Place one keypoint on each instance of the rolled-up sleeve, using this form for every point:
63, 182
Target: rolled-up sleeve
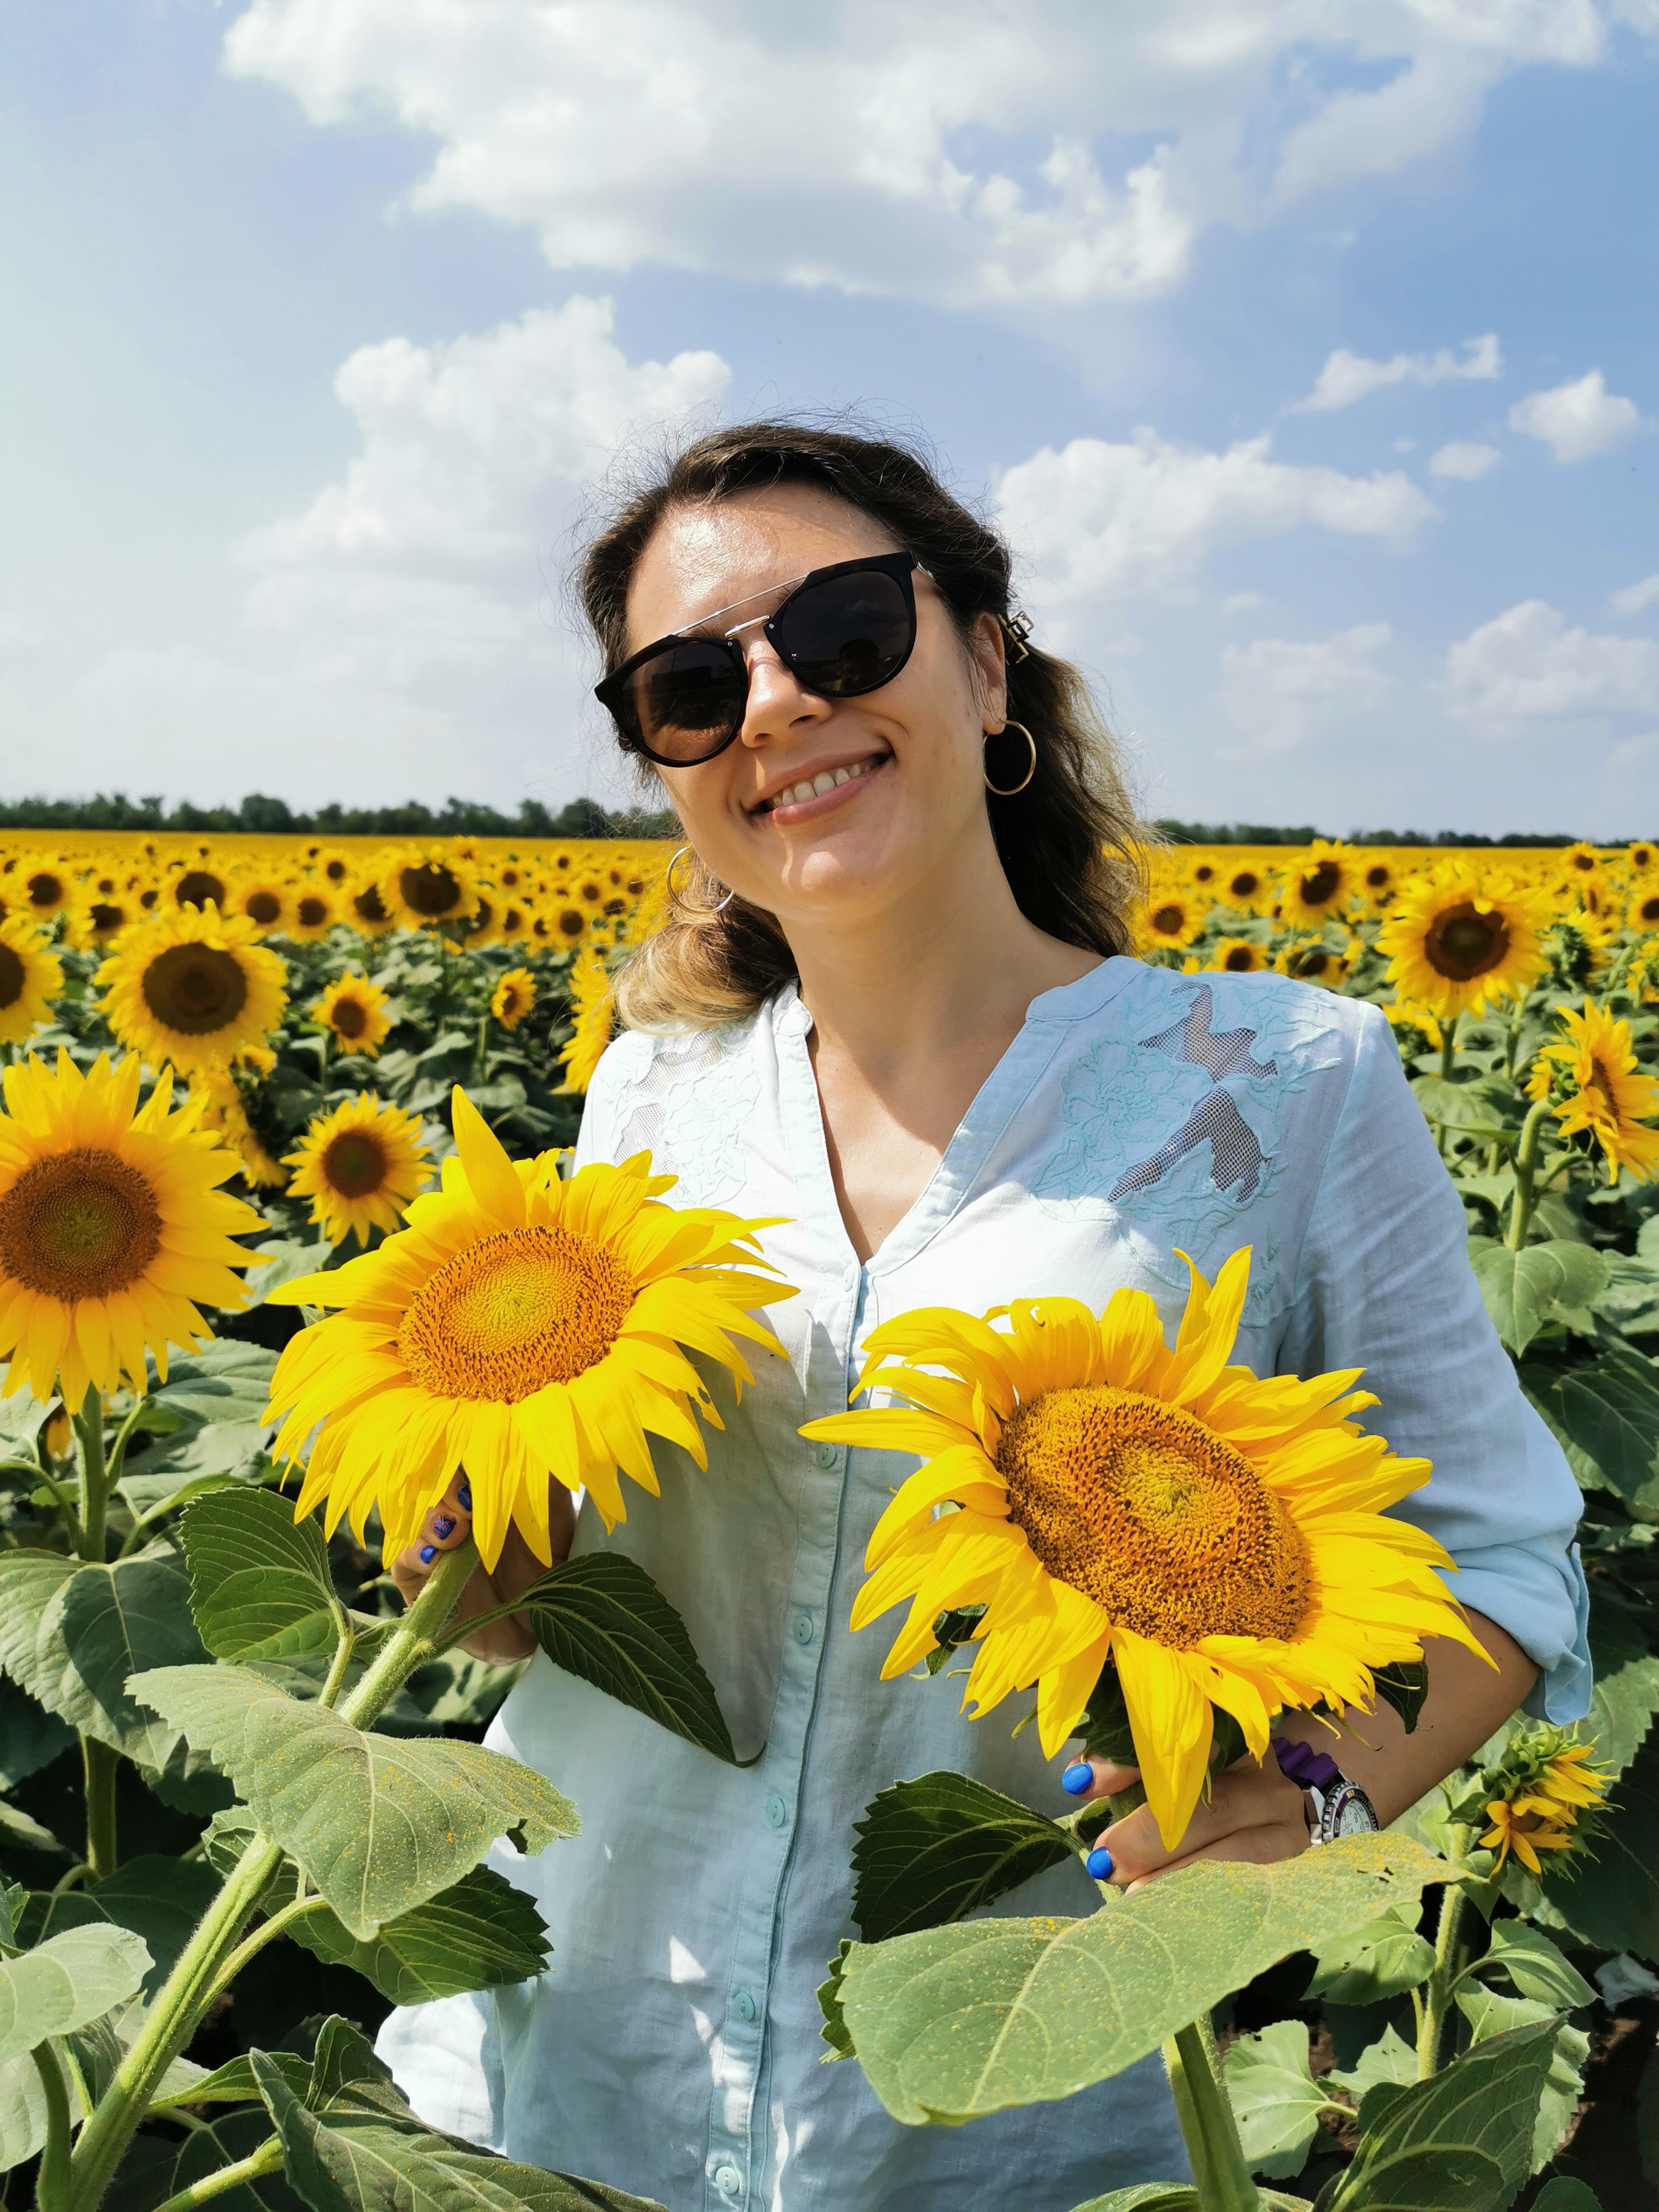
1384, 1283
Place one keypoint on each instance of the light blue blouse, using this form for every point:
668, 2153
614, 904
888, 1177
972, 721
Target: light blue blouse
672, 2047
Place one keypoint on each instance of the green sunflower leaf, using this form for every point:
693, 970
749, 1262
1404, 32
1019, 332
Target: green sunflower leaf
1461, 2142
72, 1634
1525, 1291
1369, 1965
378, 1824
481, 1933
260, 1587
1275, 2100
954, 2022
1536, 1966
601, 1616
160, 1899
351, 2144
1404, 1685
834, 2031
1611, 1411
933, 1850
65, 1982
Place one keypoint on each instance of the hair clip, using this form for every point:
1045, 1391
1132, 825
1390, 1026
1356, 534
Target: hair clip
1017, 628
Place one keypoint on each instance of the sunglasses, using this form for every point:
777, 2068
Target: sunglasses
841, 631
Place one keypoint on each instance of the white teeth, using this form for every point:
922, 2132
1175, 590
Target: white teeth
826, 779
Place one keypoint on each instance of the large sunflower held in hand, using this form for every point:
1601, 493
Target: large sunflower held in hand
521, 1327
1218, 1537
112, 1228
193, 988
1460, 939
360, 1166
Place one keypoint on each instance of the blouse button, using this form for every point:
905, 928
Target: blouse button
776, 1812
727, 2180
802, 1628
744, 2005
826, 1455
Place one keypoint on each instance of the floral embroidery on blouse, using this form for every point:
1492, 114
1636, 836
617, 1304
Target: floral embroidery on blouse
1176, 1132
691, 1096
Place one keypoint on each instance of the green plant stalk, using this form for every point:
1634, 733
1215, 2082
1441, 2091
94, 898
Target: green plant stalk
1220, 2177
99, 1764
51, 2185
97, 1760
1526, 1174
1436, 1997
94, 1477
190, 1987
268, 2159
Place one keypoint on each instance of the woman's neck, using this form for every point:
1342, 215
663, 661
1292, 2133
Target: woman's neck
943, 974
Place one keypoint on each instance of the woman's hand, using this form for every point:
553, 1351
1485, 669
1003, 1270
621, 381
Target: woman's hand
503, 1643
1252, 1813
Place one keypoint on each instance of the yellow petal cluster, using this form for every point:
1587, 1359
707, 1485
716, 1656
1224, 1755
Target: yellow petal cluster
113, 1228
1602, 1093
522, 1328
360, 1166
1220, 1537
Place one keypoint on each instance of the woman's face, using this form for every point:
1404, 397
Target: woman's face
910, 798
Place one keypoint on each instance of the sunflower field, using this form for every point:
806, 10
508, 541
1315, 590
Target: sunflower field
250, 1083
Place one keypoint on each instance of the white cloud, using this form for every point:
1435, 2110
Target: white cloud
1242, 602
1097, 521
399, 629
888, 148
1347, 376
1277, 690
1636, 596
1576, 421
1527, 666
1463, 459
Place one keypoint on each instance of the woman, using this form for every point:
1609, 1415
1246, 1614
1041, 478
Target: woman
895, 1006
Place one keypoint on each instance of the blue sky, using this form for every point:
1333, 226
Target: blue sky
323, 317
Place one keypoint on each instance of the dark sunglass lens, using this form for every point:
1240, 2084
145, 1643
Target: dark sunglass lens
687, 699
848, 634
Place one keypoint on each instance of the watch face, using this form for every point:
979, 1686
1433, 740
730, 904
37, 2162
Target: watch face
1349, 1811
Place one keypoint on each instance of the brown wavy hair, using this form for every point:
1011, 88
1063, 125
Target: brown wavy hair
1067, 842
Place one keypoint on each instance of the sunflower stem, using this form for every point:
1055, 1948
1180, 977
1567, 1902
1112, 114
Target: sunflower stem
94, 1476
168, 2026
1526, 1174
417, 1638
482, 1048
1436, 1998
52, 2183
1220, 2178
268, 2159
98, 1763
194, 1981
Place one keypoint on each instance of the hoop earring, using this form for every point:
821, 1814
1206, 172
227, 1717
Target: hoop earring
1014, 789
677, 897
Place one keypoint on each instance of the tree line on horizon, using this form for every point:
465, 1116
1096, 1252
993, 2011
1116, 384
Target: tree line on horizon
260, 815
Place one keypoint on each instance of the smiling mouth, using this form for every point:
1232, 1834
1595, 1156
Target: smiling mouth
827, 780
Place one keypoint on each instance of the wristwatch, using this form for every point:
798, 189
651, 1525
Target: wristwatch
1337, 1806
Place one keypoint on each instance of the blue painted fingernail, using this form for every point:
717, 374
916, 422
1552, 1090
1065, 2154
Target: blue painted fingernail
429, 1552
442, 1524
464, 1496
1099, 1863
1076, 1779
